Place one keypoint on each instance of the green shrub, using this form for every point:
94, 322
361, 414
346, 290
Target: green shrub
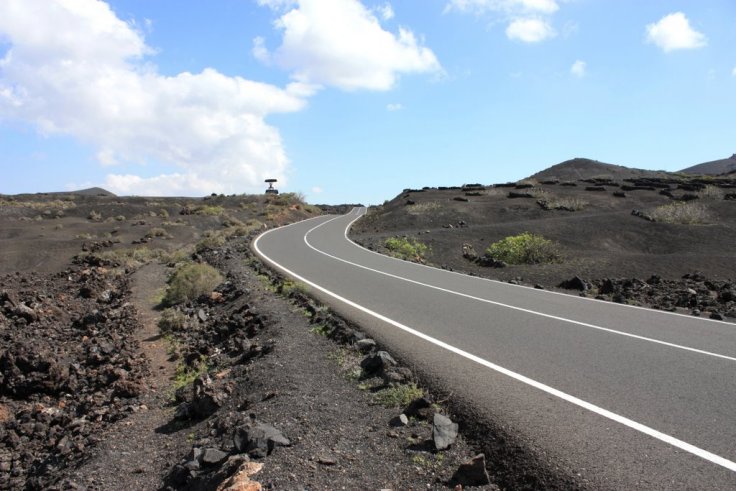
190, 281
712, 193
525, 248
185, 375
398, 396
558, 203
209, 210
158, 232
405, 248
289, 286
211, 240
688, 213
171, 320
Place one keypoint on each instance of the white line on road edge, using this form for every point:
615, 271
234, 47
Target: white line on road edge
687, 447
512, 307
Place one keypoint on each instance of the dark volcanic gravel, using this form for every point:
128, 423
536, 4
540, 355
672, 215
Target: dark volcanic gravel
69, 368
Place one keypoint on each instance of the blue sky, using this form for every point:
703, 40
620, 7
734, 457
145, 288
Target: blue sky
352, 101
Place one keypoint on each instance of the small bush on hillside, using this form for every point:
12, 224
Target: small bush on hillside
712, 193
398, 396
525, 248
289, 286
171, 320
559, 203
158, 232
689, 213
421, 208
405, 248
190, 281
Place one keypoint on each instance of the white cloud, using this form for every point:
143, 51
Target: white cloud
394, 107
259, 50
386, 11
673, 32
317, 190
579, 69
341, 43
528, 21
74, 68
507, 6
530, 30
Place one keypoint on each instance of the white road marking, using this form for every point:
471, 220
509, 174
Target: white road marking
682, 445
512, 307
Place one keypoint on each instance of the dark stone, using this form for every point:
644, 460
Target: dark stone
259, 440
212, 456
472, 473
575, 283
419, 408
377, 362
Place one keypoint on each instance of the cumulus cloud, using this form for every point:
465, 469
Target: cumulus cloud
530, 30
528, 21
74, 68
386, 11
341, 43
508, 6
394, 107
673, 32
579, 69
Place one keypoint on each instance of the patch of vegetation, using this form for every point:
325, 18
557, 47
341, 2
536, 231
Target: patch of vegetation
158, 232
525, 248
185, 374
558, 203
289, 286
37, 205
266, 282
190, 281
397, 396
711, 193
320, 330
94, 216
540, 193
688, 213
209, 210
428, 461
406, 248
171, 320
133, 257
211, 240
422, 208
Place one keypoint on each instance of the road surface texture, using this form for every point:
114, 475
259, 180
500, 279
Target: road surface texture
624, 397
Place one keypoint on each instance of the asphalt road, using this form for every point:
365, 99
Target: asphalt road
620, 396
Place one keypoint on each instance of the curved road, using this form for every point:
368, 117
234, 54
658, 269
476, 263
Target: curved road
623, 397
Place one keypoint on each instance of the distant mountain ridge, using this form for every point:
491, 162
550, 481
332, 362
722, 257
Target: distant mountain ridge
714, 167
583, 168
